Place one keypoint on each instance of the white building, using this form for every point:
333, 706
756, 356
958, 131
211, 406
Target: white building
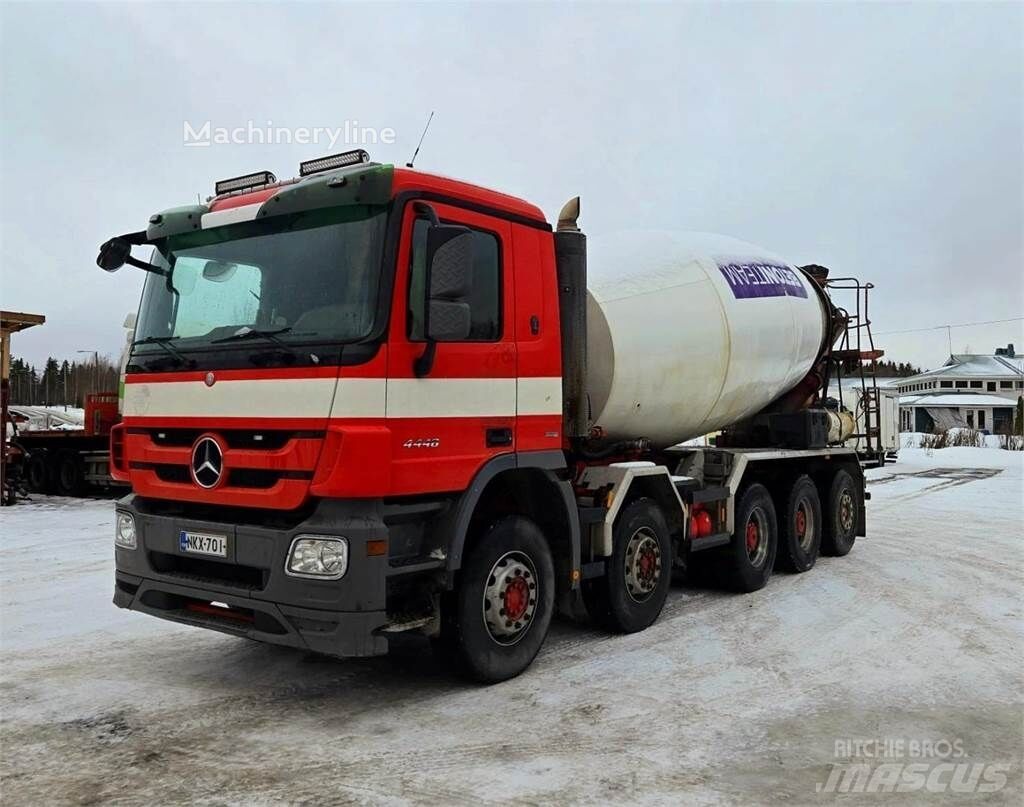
1001, 373
977, 391
938, 411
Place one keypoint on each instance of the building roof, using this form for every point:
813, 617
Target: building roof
11, 321
954, 399
971, 365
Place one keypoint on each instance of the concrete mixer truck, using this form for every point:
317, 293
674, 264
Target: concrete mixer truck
371, 400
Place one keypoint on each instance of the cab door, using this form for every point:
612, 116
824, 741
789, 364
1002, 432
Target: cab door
447, 424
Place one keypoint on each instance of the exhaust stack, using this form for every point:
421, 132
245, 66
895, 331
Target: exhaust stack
571, 266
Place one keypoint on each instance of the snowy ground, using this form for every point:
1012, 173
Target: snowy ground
915, 637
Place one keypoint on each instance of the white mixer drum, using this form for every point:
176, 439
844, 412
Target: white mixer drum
690, 332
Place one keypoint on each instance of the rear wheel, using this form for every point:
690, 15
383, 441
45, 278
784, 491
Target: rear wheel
502, 609
632, 592
37, 474
800, 531
70, 476
751, 553
841, 520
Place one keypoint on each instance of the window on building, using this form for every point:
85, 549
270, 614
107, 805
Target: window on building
981, 418
961, 384
1005, 385
975, 385
946, 384
991, 386
970, 419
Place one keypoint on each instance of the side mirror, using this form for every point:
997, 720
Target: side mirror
113, 254
449, 273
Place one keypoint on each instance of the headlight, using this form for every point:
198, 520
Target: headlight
124, 531
317, 557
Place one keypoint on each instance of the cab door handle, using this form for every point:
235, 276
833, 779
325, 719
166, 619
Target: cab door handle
499, 437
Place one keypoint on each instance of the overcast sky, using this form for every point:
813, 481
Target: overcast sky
881, 140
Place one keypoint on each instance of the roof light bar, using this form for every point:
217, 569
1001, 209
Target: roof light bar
245, 182
342, 160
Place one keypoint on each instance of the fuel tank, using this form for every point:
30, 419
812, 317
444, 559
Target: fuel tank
690, 332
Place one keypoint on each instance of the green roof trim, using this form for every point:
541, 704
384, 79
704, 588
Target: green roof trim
175, 221
367, 185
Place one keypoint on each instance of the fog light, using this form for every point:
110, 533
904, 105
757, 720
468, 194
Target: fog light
317, 557
124, 532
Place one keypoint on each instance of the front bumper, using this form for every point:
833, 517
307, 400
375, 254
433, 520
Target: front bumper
248, 593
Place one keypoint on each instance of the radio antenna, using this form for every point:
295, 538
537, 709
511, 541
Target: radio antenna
411, 161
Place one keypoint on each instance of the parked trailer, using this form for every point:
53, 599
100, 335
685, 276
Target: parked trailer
69, 462
371, 400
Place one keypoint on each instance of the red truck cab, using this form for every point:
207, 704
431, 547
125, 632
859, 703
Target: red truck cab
251, 417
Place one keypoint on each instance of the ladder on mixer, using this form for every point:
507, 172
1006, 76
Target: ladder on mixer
856, 357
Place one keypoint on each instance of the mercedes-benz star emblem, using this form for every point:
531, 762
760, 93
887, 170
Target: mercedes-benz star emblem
207, 462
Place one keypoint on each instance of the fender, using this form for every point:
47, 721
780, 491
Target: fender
546, 461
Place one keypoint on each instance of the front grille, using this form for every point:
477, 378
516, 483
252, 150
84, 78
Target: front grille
172, 473
259, 478
198, 570
167, 454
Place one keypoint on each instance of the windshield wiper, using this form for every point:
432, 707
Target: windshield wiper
165, 343
271, 335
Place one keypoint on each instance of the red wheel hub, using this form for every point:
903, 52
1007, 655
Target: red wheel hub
801, 522
753, 536
647, 563
516, 598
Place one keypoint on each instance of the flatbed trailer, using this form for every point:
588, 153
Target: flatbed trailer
72, 462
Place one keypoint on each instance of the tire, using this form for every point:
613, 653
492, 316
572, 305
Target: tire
840, 520
750, 555
801, 528
69, 477
509, 566
631, 594
37, 474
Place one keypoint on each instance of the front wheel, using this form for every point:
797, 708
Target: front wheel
503, 606
632, 591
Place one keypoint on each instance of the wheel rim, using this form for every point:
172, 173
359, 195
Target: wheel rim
756, 536
846, 511
804, 526
510, 598
642, 564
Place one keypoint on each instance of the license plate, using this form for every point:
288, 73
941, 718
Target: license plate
201, 543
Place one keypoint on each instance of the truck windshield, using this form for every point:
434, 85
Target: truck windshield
305, 278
